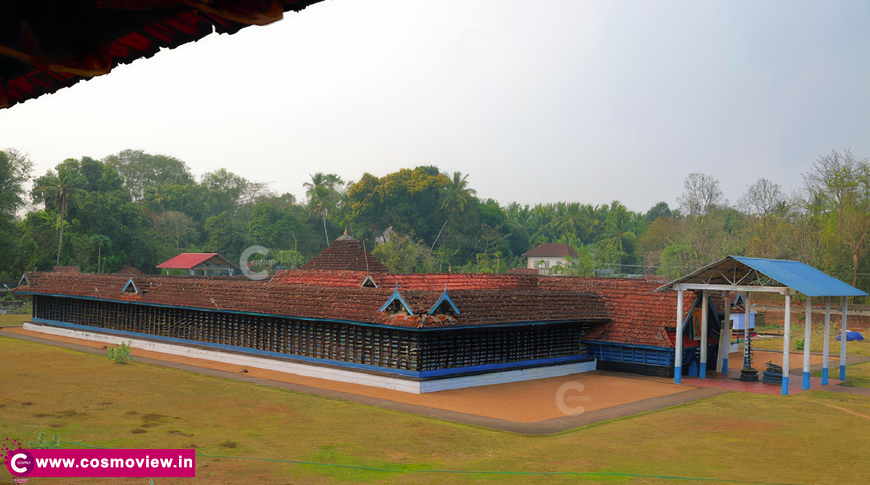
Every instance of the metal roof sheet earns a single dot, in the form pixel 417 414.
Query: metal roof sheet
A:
pixel 741 270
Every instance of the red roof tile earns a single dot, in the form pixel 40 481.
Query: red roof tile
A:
pixel 190 260
pixel 526 271
pixel 638 315
pixel 346 254
pixel 481 299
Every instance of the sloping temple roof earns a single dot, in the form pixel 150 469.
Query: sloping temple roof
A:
pixel 346 253
pixel 740 271
pixel 51 44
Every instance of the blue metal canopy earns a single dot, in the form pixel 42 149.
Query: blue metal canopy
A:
pixel 743 271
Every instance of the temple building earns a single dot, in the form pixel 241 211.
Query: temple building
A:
pixel 343 316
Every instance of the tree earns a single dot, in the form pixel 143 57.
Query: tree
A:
pixel 702 195
pixel 455 196
pixel 15 170
pixel 61 188
pixel 702 203
pixel 843 180
pixel 176 227
pixel 676 260
pixel 323 194
pixel 141 170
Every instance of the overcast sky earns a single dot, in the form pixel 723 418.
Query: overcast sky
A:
pixel 542 101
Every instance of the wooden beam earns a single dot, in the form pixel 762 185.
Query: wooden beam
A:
pixel 782 290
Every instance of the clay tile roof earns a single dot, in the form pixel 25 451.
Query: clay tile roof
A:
pixel 191 260
pixel 347 254
pixel 526 271
pixel 638 315
pixel 337 295
pixel 129 270
pixel 66 269
pixel 551 250
pixel 52 46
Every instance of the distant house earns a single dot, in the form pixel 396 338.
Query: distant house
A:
pixel 208 264
pixel 548 255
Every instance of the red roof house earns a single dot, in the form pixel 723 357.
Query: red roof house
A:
pixel 210 264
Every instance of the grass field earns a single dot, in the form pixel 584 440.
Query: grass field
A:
pixel 13 320
pixel 808 438
pixel 817 341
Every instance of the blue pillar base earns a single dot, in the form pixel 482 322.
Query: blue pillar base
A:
pixel 842 372
pixel 806 383
pixel 725 366
pixel 785 385
pixel 825 376
pixel 678 375
pixel 702 371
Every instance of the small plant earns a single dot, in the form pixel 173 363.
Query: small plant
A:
pixel 799 344
pixel 41 444
pixel 120 354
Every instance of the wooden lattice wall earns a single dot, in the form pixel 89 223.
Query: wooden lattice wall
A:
pixel 392 348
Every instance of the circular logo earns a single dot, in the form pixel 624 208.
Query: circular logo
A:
pixel 20 463
pixel 568 403
pixel 243 262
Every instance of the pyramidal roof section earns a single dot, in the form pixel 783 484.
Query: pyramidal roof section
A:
pixel 346 253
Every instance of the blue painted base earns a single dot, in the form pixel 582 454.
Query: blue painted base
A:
pixel 825 376
pixel 785 385
pixel 678 375
pixel 725 366
pixel 806 383
pixel 842 372
pixel 702 372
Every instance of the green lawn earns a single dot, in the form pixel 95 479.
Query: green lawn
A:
pixel 817 341
pixel 15 320
pixel 858 375
pixel 813 437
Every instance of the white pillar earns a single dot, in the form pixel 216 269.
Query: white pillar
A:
pixel 746 298
pixel 808 323
pixel 786 345
pixel 705 302
pixel 843 340
pixel 678 350
pixel 725 338
pixel 825 351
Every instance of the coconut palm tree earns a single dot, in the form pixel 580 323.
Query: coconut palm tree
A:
pixel 323 192
pixel 63 191
pixel 455 195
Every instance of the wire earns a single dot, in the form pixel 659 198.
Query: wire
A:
pixel 479 472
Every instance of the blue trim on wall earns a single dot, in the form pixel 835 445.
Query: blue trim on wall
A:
pixel 336 363
pixel 842 372
pixel 309 319
pixel 785 384
pixel 806 382
pixel 633 354
pixel 824 376
pixel 633 346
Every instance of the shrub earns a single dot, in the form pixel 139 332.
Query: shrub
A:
pixel 799 344
pixel 41 444
pixel 120 354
